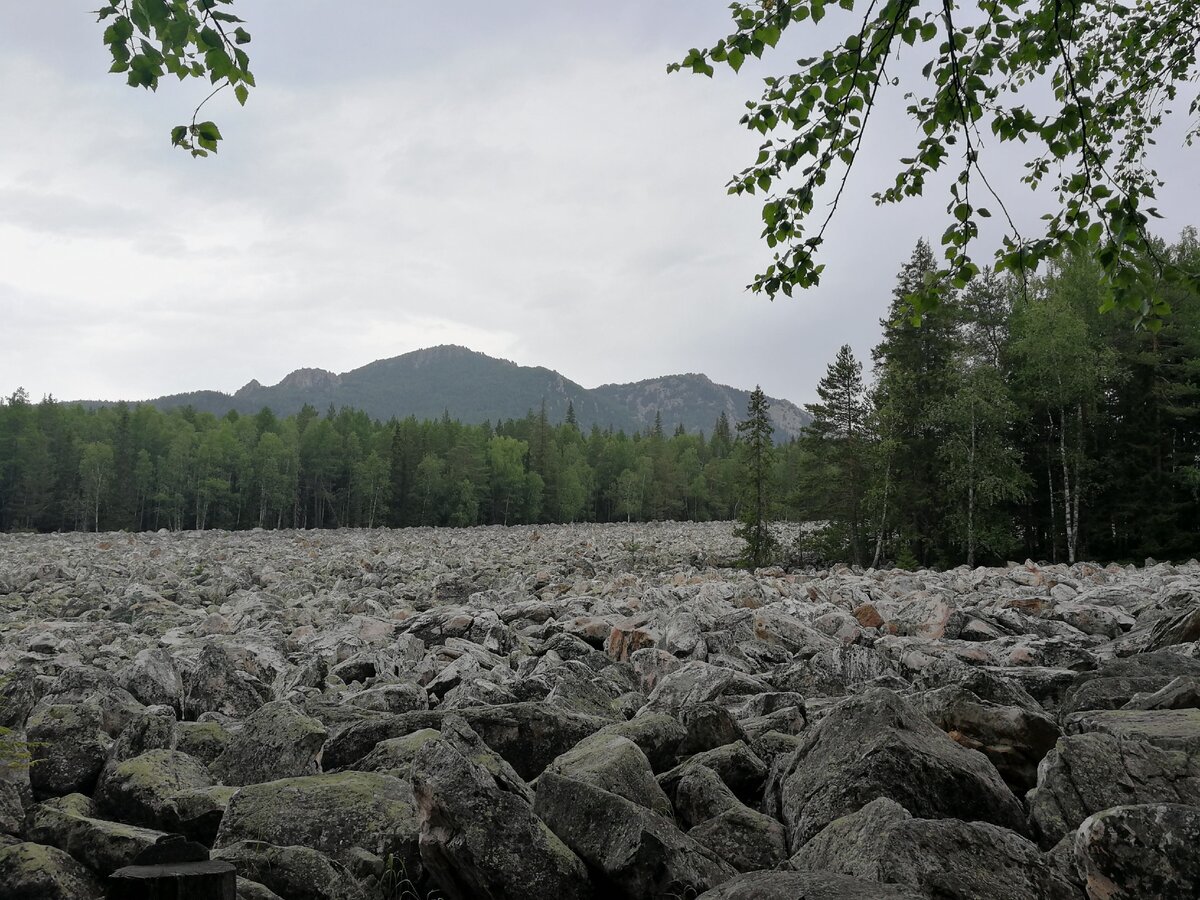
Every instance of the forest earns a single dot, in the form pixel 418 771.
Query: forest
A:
pixel 1027 419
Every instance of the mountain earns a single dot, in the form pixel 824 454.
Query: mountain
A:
pixel 473 387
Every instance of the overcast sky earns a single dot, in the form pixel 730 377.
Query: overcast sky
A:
pixel 522 178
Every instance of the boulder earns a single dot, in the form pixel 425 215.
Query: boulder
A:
pixel 88 685
pixel 743 838
pixel 296 873
pixel 204 740
pixel 332 813
pixel 217 685
pixel 31 871
pixel 615 764
pixel 935 857
pixel 276 741
pixel 1147 850
pixel 69 823
pixel 806 886
pixel 877 745
pixel 1087 773
pixel 660 737
pixel 634 851
pixel 151 729
pixel 153 679
pixel 1118 681
pixel 1015 738
pixel 69 748
pixel 479 839
pixel 395 755
pixel 1171 729
pixel 529 735
pixel 139 790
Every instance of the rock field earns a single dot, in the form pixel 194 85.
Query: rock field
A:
pixel 593 711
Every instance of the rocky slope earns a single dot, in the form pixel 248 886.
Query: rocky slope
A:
pixel 473 387
pixel 593 712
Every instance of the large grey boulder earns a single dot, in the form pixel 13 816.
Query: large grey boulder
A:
pixel 1118 681
pixel 744 838
pixel 1014 737
pixel 659 735
pixel 806 886
pixel 1132 852
pixel 31 871
pixel 1087 773
pixel 395 755
pixel 529 735
pixel 277 741
pixel 634 851
pixel 479 837
pixel 69 749
pixel 332 813
pixel 217 685
pixel 1171 729
pixel 69 823
pixel 877 745
pixel 140 790
pixel 935 857
pixel 615 764
pixel 153 678
pixel 296 873
pixel 87 684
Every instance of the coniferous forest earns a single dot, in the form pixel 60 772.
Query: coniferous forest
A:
pixel 1015 419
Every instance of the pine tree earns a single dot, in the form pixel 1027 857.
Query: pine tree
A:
pixel 757 452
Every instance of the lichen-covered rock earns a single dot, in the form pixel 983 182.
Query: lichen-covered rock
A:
pixel 1170 729
pixel 139 790
pixel 276 741
pixel 1131 852
pixel 297 873
pixel 936 857
pixel 332 813
pixel 480 839
pixel 69 823
pixel 395 755
pixel 876 745
pixel 69 748
pixel 37 872
pixel 635 852
pixel 806 886
pixel 615 764
pixel 1087 773
pixel 743 838
pixel 217 685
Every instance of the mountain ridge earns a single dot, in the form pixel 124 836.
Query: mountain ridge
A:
pixel 474 387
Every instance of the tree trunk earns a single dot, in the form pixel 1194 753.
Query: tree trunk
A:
pixel 971 496
pixel 1068 506
pixel 887 483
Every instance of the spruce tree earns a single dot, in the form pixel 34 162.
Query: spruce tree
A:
pixel 757 452
pixel 914 366
pixel 836 439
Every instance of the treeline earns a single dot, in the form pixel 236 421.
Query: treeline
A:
pixel 1018 419
pixel 136 467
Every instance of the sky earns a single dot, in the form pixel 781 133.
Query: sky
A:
pixel 521 178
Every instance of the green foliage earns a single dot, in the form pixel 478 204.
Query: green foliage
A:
pixel 756 453
pixel 1113 71
pixel 149 39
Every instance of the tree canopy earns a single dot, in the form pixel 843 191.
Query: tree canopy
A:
pixel 1084 85
pixel 185 38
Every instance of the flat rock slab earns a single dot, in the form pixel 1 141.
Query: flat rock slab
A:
pixel 208 880
pixel 1170 729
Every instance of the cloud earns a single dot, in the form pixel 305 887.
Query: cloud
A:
pixel 525 180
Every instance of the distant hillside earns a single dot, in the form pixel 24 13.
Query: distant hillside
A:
pixel 473 387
